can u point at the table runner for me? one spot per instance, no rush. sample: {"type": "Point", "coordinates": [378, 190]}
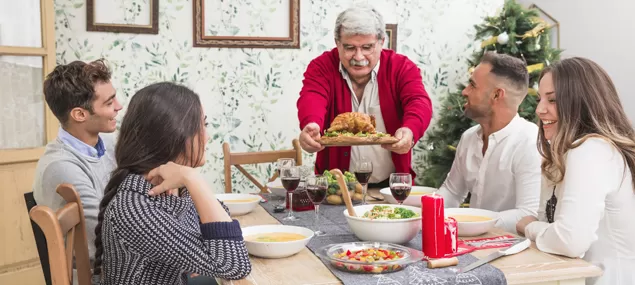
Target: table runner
{"type": "Point", "coordinates": [333, 222]}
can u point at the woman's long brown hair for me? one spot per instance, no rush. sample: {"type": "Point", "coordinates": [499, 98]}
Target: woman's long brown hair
{"type": "Point", "coordinates": [588, 106]}
{"type": "Point", "coordinates": [160, 125]}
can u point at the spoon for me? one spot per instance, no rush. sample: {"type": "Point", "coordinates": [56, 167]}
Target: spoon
{"type": "Point", "coordinates": [346, 196]}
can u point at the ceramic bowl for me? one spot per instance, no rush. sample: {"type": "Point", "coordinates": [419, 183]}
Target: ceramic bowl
{"type": "Point", "coordinates": [239, 204]}
{"type": "Point", "coordinates": [276, 249]}
{"type": "Point", "coordinates": [391, 231]}
{"type": "Point", "coordinates": [472, 228]}
{"type": "Point", "coordinates": [414, 199]}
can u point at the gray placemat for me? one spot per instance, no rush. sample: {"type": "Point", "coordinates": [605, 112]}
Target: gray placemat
{"type": "Point", "coordinates": [333, 222]}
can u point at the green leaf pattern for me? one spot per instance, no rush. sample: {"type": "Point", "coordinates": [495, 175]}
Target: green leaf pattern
{"type": "Point", "coordinates": [249, 95]}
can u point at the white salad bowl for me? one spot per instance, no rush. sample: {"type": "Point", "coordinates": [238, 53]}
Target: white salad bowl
{"type": "Point", "coordinates": [391, 231]}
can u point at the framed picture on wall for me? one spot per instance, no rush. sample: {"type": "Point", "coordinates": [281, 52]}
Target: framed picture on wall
{"type": "Point", "coordinates": [136, 17]}
{"type": "Point", "coordinates": [263, 24]}
{"type": "Point", "coordinates": [391, 37]}
{"type": "Point", "coordinates": [554, 25]}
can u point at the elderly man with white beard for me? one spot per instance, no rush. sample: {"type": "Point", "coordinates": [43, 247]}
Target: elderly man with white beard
{"type": "Point", "coordinates": [360, 76]}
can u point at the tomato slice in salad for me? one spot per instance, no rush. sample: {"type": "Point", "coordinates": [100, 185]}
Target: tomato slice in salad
{"type": "Point", "coordinates": [370, 255]}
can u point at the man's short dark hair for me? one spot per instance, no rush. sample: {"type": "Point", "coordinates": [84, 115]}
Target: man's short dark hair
{"type": "Point", "coordinates": [510, 68]}
{"type": "Point", "coordinates": [73, 85]}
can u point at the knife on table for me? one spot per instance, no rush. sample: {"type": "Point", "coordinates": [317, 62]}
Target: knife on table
{"type": "Point", "coordinates": [513, 249]}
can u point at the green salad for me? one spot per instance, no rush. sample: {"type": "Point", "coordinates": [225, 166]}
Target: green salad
{"type": "Point", "coordinates": [333, 186]}
{"type": "Point", "coordinates": [389, 213]}
{"type": "Point", "coordinates": [350, 134]}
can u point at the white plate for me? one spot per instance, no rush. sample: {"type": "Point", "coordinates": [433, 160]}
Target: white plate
{"type": "Point", "coordinates": [276, 249]}
{"type": "Point", "coordinates": [239, 208]}
{"type": "Point", "coordinates": [470, 229]}
{"type": "Point", "coordinates": [414, 199]}
{"type": "Point", "coordinates": [276, 188]}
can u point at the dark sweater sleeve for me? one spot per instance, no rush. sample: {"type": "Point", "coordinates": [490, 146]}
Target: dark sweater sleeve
{"type": "Point", "coordinates": [417, 106]}
{"type": "Point", "coordinates": [313, 100]}
{"type": "Point", "coordinates": [216, 250]}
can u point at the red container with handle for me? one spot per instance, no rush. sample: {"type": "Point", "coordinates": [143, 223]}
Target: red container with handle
{"type": "Point", "coordinates": [451, 236]}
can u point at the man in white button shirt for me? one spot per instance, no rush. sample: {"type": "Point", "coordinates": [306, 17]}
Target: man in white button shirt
{"type": "Point", "coordinates": [496, 161]}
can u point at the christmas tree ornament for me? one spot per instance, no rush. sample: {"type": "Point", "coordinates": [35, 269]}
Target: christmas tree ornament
{"type": "Point", "coordinates": [535, 31]}
{"type": "Point", "coordinates": [535, 67]}
{"type": "Point", "coordinates": [503, 38]}
{"type": "Point", "coordinates": [488, 42]}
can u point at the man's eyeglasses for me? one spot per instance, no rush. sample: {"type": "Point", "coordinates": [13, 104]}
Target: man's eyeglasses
{"type": "Point", "coordinates": [365, 49]}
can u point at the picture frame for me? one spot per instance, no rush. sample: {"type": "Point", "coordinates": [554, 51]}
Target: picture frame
{"type": "Point", "coordinates": [554, 25]}
{"type": "Point", "coordinates": [391, 37]}
{"type": "Point", "coordinates": [102, 16]}
{"type": "Point", "coordinates": [220, 24]}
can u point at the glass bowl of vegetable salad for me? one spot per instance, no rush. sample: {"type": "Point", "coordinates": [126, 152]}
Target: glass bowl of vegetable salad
{"type": "Point", "coordinates": [385, 222]}
{"type": "Point", "coordinates": [334, 193]}
{"type": "Point", "coordinates": [369, 257]}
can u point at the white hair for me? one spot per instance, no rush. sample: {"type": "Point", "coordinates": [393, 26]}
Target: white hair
{"type": "Point", "coordinates": [360, 20]}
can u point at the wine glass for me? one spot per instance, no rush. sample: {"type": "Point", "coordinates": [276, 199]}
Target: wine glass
{"type": "Point", "coordinates": [400, 185]}
{"type": "Point", "coordinates": [363, 169]}
{"type": "Point", "coordinates": [290, 177]}
{"type": "Point", "coordinates": [280, 163]}
{"type": "Point", "coordinates": [316, 189]}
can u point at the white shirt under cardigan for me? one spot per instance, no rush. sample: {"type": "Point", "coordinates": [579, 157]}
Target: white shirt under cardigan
{"type": "Point", "coordinates": [506, 179]}
{"type": "Point", "coordinates": [381, 158]}
{"type": "Point", "coordinates": [594, 213]}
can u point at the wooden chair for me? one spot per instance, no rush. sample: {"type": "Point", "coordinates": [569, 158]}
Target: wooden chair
{"type": "Point", "coordinates": [40, 239]}
{"type": "Point", "coordinates": [237, 159]}
{"type": "Point", "coordinates": [67, 224]}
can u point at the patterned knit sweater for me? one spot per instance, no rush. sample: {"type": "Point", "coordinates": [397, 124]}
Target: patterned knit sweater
{"type": "Point", "coordinates": [160, 240]}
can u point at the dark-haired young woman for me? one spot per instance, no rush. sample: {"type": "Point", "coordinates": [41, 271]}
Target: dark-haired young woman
{"type": "Point", "coordinates": [146, 235]}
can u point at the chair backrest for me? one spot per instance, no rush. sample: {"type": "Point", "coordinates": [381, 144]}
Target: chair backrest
{"type": "Point", "coordinates": [65, 232]}
{"type": "Point", "coordinates": [237, 159]}
{"type": "Point", "coordinates": [40, 239]}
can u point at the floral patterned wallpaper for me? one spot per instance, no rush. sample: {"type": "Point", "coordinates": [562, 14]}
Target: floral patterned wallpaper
{"type": "Point", "coordinates": [249, 95]}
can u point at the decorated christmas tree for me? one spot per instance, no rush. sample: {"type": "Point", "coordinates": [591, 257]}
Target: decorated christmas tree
{"type": "Point", "coordinates": [517, 31]}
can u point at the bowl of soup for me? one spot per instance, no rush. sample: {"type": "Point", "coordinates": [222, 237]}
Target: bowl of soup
{"type": "Point", "coordinates": [413, 199]}
{"type": "Point", "coordinates": [275, 241]}
{"type": "Point", "coordinates": [239, 204]}
{"type": "Point", "coordinates": [276, 188]}
{"type": "Point", "coordinates": [471, 221]}
{"type": "Point", "coordinates": [385, 222]}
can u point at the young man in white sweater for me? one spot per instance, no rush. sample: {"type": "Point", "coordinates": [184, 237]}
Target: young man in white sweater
{"type": "Point", "coordinates": [83, 99]}
{"type": "Point", "coordinates": [497, 160]}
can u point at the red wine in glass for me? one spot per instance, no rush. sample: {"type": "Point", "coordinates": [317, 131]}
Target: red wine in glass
{"type": "Point", "coordinates": [316, 189]}
{"type": "Point", "coordinates": [290, 183]}
{"type": "Point", "coordinates": [316, 193]}
{"type": "Point", "coordinates": [363, 177]}
{"type": "Point", "coordinates": [400, 191]}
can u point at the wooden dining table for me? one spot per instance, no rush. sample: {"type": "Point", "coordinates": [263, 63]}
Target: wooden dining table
{"type": "Point", "coordinates": [531, 266]}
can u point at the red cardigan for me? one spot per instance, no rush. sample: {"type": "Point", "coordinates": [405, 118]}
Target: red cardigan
{"type": "Point", "coordinates": [403, 103]}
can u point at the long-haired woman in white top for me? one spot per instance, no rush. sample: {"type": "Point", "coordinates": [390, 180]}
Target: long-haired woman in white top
{"type": "Point", "coordinates": [588, 145]}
